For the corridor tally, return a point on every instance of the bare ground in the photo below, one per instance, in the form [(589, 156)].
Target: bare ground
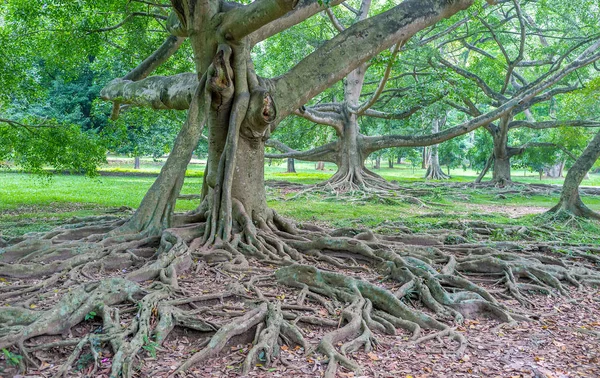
[(510, 211)]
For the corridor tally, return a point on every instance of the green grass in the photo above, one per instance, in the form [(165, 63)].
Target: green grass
[(29, 203), (306, 173)]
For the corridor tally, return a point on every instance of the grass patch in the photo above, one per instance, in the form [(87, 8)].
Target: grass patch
[(28, 203)]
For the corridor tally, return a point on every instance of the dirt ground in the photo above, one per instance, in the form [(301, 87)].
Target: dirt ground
[(560, 344), (510, 211)]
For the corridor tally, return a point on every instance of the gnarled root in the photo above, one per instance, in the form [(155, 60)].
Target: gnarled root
[(449, 281)]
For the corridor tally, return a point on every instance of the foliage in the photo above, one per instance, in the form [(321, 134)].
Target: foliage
[(63, 147), (12, 359)]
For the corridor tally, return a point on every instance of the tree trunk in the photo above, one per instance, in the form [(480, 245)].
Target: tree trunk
[(425, 159), (562, 168), (570, 201), (501, 173), (399, 161), (390, 162), (352, 173), (136, 162), (554, 171), (485, 169), (434, 171), (290, 166), (377, 162), (320, 166)]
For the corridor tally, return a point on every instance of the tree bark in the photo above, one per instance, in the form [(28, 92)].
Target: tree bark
[(320, 166), (390, 162), (554, 171), (136, 162), (485, 169), (434, 171), (570, 201), (290, 166), (501, 173)]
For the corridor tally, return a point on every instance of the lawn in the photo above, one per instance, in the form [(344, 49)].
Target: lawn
[(30, 203), (307, 174)]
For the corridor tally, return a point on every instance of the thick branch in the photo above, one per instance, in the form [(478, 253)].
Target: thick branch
[(242, 21), (158, 92), (334, 20), (553, 124), (322, 153), (337, 57), (323, 118), (303, 10)]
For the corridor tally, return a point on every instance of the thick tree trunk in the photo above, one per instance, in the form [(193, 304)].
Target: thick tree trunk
[(434, 171), (352, 173), (425, 158), (570, 201), (290, 166), (501, 173), (377, 162), (136, 162), (320, 166), (390, 162)]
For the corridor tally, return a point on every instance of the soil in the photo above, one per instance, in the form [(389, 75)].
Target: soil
[(510, 211)]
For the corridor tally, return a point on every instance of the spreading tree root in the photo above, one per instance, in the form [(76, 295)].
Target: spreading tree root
[(435, 173), (358, 188), (133, 284)]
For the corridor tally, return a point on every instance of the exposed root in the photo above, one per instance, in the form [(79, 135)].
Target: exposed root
[(448, 280)]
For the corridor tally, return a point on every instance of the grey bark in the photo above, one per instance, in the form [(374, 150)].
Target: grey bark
[(570, 201), (434, 170), (291, 168)]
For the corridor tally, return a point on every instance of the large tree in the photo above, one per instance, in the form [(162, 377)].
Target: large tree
[(494, 56), (502, 53), (234, 224)]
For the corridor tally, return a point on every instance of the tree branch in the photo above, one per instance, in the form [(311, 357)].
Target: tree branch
[(513, 151), (322, 153), (402, 115), (157, 58), (323, 118), (303, 10), (383, 81), (158, 92), (553, 124), (242, 21), (477, 80), (17, 124), (339, 56), (336, 23), (377, 143), (151, 63)]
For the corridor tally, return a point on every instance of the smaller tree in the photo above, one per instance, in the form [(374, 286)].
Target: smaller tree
[(570, 201)]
